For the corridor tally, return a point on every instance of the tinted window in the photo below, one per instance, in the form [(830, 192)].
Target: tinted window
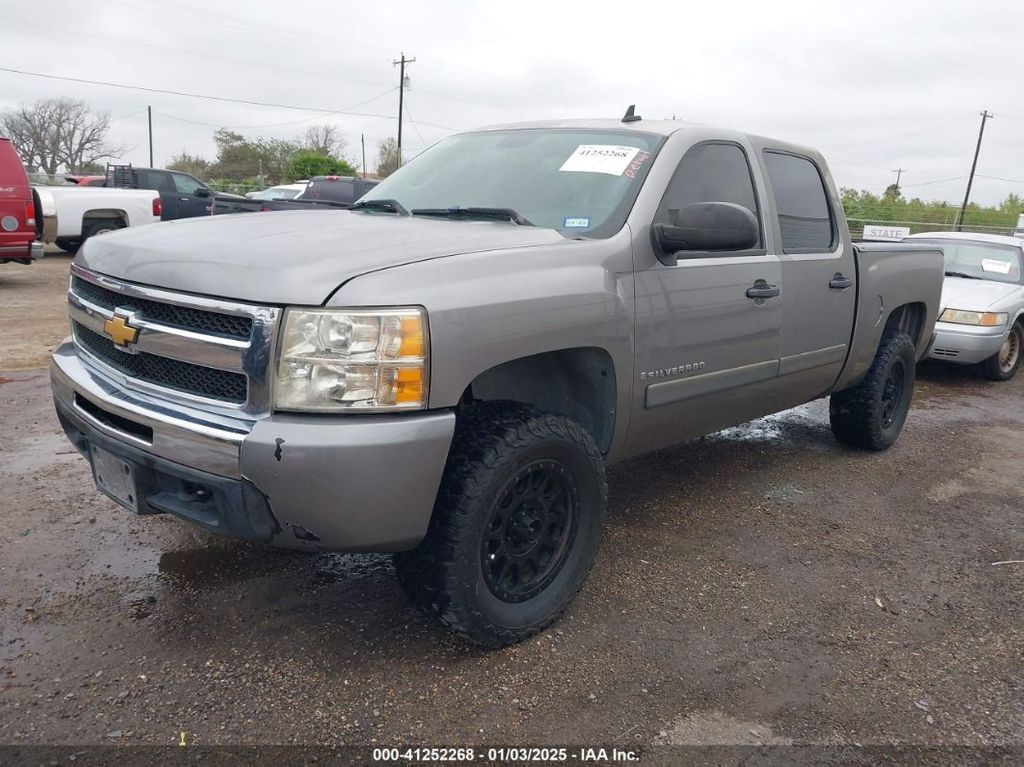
[(800, 199), (152, 179), (185, 184), (335, 191), (709, 173)]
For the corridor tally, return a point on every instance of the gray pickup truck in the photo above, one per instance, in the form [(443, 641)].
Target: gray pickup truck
[(445, 370)]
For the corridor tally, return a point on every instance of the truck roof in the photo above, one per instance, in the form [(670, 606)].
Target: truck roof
[(657, 127), (996, 239)]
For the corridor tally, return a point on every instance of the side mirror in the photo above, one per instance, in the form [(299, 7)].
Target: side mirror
[(203, 192), (705, 226)]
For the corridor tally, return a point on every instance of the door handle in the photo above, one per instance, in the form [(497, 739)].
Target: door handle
[(840, 282), (183, 199), (762, 289)]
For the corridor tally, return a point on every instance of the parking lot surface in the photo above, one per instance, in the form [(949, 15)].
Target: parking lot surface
[(762, 585)]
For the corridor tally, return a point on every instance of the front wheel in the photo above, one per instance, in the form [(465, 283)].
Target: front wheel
[(870, 416), (1003, 365), (515, 528)]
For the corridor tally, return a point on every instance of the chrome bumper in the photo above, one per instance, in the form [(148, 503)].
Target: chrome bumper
[(182, 435), (353, 483), (966, 344)]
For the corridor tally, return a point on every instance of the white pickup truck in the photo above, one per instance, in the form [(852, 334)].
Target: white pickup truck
[(72, 214)]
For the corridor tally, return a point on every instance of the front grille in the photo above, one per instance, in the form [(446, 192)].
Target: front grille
[(163, 371), (184, 317)]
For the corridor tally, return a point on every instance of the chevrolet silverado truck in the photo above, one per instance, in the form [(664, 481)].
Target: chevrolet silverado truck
[(445, 370)]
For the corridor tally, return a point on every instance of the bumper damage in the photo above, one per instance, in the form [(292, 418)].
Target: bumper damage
[(351, 483)]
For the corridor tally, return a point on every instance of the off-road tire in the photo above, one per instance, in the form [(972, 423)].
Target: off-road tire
[(865, 416), (494, 442), (993, 370)]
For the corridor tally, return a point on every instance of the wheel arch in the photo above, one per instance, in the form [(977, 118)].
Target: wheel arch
[(104, 214), (578, 383), (909, 318)]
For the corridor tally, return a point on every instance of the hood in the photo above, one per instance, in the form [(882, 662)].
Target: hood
[(973, 295), (289, 257)]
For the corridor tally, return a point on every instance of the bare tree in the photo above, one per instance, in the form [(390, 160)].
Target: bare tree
[(325, 140), (58, 133), (387, 157)]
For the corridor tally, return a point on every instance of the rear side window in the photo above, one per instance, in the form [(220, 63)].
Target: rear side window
[(152, 179), (709, 173), (340, 190), (804, 215)]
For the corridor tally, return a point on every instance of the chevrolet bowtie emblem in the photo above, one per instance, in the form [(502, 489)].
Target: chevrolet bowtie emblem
[(120, 332)]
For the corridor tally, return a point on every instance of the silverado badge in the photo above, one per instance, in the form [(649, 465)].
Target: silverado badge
[(120, 332)]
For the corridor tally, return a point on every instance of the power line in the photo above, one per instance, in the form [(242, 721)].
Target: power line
[(186, 94), (275, 125)]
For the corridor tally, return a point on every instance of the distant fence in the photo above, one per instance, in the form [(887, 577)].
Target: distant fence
[(857, 227)]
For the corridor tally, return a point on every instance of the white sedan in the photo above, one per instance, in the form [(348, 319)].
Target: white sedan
[(981, 319), (281, 192)]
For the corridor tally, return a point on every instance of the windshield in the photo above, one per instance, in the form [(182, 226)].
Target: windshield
[(981, 260), (580, 182)]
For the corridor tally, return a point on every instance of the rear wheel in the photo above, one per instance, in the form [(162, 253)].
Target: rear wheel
[(1003, 365), (101, 227), (68, 246), (515, 527), (870, 416)]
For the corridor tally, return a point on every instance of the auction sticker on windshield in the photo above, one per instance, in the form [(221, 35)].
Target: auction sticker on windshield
[(600, 158), (993, 265)]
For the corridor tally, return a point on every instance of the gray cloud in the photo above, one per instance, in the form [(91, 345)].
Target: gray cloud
[(876, 86)]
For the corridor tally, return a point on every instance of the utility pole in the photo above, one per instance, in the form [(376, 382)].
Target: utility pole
[(149, 114), (362, 141), (899, 172), (401, 93), (970, 179)]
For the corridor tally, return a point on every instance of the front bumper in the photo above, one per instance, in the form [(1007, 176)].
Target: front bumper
[(966, 344), (347, 483)]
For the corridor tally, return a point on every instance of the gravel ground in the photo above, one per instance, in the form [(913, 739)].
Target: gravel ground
[(762, 585)]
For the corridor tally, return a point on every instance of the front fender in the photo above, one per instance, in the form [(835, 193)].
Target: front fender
[(491, 307)]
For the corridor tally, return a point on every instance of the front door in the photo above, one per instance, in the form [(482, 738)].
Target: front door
[(707, 329), (190, 204)]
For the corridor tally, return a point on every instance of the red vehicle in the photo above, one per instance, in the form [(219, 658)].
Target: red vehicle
[(87, 180), (19, 223)]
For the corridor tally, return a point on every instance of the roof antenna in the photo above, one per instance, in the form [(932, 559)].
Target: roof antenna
[(629, 117)]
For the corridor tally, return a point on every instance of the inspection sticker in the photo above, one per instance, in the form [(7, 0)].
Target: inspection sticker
[(576, 223), (600, 158), (992, 265)]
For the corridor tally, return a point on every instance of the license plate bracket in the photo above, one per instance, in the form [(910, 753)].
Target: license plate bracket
[(114, 477)]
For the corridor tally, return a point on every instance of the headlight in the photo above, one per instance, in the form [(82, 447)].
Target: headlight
[(961, 317), (372, 359)]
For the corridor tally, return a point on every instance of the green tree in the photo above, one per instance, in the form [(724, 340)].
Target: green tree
[(308, 163), (240, 157), (388, 160), (192, 164)]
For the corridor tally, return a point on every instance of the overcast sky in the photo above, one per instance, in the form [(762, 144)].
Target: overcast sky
[(875, 85)]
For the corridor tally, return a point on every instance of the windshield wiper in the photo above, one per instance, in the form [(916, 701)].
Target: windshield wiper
[(496, 214), (385, 206), (963, 274)]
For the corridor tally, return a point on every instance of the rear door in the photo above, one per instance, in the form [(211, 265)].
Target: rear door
[(160, 181), (707, 354), (819, 271)]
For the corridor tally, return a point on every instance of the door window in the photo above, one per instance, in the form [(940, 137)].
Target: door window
[(185, 184), (711, 172), (804, 215)]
